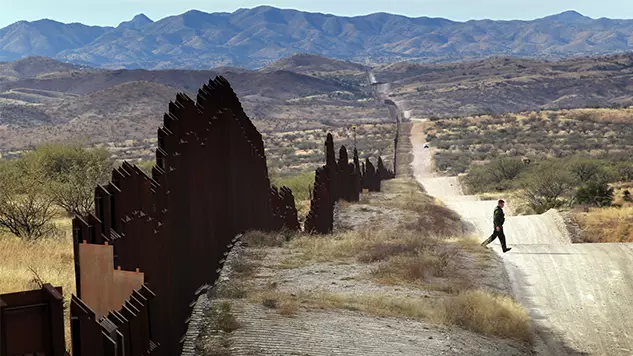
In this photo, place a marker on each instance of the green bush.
(498, 175)
(26, 208)
(595, 193)
(70, 173)
(547, 186)
(585, 169)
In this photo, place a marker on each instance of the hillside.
(310, 63)
(297, 93)
(42, 99)
(32, 67)
(504, 85)
(256, 37)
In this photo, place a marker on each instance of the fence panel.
(32, 322)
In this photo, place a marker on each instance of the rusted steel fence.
(32, 323)
(209, 184)
(284, 209)
(340, 180)
(124, 331)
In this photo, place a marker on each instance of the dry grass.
(265, 239)
(477, 310)
(284, 304)
(50, 258)
(221, 317)
(23, 265)
(431, 255)
(607, 225)
(488, 314)
(433, 219)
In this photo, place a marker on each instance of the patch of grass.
(489, 314)
(231, 290)
(606, 225)
(478, 310)
(285, 304)
(299, 183)
(421, 265)
(242, 267)
(343, 245)
(221, 317)
(433, 219)
(265, 239)
(50, 258)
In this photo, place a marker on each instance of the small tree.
(595, 193)
(25, 208)
(547, 186)
(497, 175)
(71, 174)
(585, 169)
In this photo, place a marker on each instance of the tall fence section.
(155, 243)
(341, 180)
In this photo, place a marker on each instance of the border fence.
(155, 243)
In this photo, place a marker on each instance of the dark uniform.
(499, 219)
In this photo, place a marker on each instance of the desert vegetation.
(572, 160)
(599, 133)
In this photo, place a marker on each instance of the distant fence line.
(154, 244)
(340, 180)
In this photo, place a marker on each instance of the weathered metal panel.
(31, 322)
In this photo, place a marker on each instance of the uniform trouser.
(495, 234)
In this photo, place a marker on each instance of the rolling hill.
(502, 85)
(257, 37)
(296, 93)
(42, 99)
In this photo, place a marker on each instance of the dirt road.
(580, 296)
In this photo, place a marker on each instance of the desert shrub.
(584, 169)
(595, 193)
(498, 175)
(547, 186)
(146, 166)
(624, 171)
(26, 208)
(452, 163)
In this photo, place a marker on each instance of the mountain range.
(254, 38)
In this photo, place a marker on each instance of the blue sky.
(112, 12)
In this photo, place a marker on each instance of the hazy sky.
(112, 12)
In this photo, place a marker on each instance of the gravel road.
(580, 296)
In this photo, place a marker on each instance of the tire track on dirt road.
(580, 296)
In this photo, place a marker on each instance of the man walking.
(499, 218)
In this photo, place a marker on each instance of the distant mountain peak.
(568, 16)
(137, 22)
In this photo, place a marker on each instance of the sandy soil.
(578, 295)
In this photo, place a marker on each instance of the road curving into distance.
(580, 296)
